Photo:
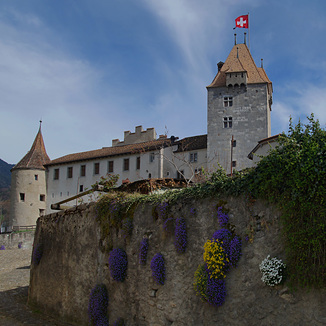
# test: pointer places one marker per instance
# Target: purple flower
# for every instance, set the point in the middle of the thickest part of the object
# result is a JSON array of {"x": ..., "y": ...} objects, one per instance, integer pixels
[
  {"x": 20, "y": 244},
  {"x": 127, "y": 227},
  {"x": 180, "y": 241},
  {"x": 224, "y": 236},
  {"x": 231, "y": 244},
  {"x": 168, "y": 224},
  {"x": 2, "y": 247},
  {"x": 215, "y": 291},
  {"x": 192, "y": 211},
  {"x": 222, "y": 217},
  {"x": 235, "y": 251},
  {"x": 37, "y": 253},
  {"x": 161, "y": 209},
  {"x": 158, "y": 268},
  {"x": 113, "y": 206},
  {"x": 118, "y": 263},
  {"x": 143, "y": 251},
  {"x": 98, "y": 306}
]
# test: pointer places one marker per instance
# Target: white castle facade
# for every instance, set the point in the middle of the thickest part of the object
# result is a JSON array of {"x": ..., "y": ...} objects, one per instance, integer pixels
[{"x": 238, "y": 111}]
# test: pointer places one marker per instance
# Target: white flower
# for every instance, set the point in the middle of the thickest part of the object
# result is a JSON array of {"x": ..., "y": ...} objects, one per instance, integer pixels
[{"x": 272, "y": 270}]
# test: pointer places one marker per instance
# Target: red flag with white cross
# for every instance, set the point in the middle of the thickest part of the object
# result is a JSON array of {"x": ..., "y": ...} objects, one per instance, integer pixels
[{"x": 242, "y": 22}]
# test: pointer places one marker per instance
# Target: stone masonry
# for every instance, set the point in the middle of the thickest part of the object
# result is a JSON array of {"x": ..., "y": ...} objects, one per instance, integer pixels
[{"x": 73, "y": 263}]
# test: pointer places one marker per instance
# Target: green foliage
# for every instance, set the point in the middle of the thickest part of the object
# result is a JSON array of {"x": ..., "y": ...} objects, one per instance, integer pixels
[
  {"x": 115, "y": 211},
  {"x": 292, "y": 176},
  {"x": 107, "y": 183}
]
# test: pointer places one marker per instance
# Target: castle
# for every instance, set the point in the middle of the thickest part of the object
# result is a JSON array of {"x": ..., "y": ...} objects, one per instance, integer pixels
[{"x": 238, "y": 117}]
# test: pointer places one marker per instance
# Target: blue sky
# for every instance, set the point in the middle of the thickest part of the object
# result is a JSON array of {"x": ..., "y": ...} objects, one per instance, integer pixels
[{"x": 92, "y": 69}]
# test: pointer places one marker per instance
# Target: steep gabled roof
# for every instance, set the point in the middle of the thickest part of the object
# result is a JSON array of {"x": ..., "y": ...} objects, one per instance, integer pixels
[
  {"x": 112, "y": 151},
  {"x": 37, "y": 157},
  {"x": 240, "y": 60}
]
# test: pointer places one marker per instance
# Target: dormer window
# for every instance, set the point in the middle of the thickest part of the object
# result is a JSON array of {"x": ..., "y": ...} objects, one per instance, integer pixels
[{"x": 228, "y": 101}]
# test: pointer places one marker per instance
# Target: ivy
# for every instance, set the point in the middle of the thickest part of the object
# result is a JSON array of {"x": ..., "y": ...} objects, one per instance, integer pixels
[{"x": 292, "y": 176}]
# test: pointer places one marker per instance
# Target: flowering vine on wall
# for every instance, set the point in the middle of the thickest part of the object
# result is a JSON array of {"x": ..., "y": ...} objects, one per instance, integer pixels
[
  {"x": 158, "y": 268},
  {"x": 118, "y": 263},
  {"x": 221, "y": 252},
  {"x": 143, "y": 251},
  {"x": 273, "y": 271},
  {"x": 98, "y": 306}
]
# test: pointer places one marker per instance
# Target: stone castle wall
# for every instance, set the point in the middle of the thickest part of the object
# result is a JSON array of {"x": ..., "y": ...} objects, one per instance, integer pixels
[
  {"x": 12, "y": 240},
  {"x": 72, "y": 264},
  {"x": 250, "y": 115},
  {"x": 31, "y": 183}
]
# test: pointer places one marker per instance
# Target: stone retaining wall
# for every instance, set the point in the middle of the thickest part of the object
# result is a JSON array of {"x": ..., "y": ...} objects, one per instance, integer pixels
[
  {"x": 72, "y": 264},
  {"x": 12, "y": 240}
]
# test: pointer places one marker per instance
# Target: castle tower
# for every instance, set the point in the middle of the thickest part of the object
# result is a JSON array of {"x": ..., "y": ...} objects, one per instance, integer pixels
[
  {"x": 238, "y": 107},
  {"x": 28, "y": 185}
]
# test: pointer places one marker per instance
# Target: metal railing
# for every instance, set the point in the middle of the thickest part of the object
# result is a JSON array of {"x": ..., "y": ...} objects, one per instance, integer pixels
[{"x": 17, "y": 228}]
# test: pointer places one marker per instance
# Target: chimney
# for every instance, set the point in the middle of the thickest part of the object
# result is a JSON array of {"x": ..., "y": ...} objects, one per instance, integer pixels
[
  {"x": 235, "y": 39},
  {"x": 262, "y": 63},
  {"x": 219, "y": 66},
  {"x": 245, "y": 38}
]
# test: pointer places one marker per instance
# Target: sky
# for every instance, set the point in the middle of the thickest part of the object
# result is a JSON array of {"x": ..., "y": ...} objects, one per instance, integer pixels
[{"x": 91, "y": 69}]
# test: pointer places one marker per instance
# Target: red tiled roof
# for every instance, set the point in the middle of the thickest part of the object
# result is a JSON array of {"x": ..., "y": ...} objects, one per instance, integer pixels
[
  {"x": 240, "y": 60},
  {"x": 37, "y": 157},
  {"x": 112, "y": 151}
]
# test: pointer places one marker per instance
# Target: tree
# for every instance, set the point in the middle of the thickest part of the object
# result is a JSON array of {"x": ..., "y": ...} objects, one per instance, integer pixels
[{"x": 294, "y": 176}]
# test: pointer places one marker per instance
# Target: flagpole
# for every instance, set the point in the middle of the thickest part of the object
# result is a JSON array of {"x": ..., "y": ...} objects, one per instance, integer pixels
[{"x": 249, "y": 31}]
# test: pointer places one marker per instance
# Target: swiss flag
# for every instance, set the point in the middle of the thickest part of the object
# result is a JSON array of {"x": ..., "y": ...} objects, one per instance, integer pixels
[{"x": 242, "y": 21}]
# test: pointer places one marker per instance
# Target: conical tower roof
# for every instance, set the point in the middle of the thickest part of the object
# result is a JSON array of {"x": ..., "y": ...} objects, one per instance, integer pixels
[
  {"x": 240, "y": 60},
  {"x": 36, "y": 157}
]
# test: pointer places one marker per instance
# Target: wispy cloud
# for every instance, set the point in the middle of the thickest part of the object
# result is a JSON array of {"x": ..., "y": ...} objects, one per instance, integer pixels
[
  {"x": 40, "y": 81},
  {"x": 300, "y": 102}
]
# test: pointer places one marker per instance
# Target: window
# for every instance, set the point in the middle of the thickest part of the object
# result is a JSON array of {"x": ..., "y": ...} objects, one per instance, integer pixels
[
  {"x": 42, "y": 197},
  {"x": 81, "y": 188},
  {"x": 22, "y": 196},
  {"x": 227, "y": 122},
  {"x": 228, "y": 101},
  {"x": 69, "y": 172},
  {"x": 96, "y": 168},
  {"x": 180, "y": 175},
  {"x": 151, "y": 157},
  {"x": 234, "y": 164},
  {"x": 234, "y": 144},
  {"x": 193, "y": 157},
  {"x": 36, "y": 177},
  {"x": 56, "y": 174},
  {"x": 110, "y": 166},
  {"x": 126, "y": 164},
  {"x": 41, "y": 212},
  {"x": 149, "y": 175},
  {"x": 83, "y": 170},
  {"x": 138, "y": 163}
]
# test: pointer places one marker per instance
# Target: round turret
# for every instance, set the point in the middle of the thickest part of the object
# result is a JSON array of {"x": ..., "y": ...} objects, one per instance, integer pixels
[{"x": 28, "y": 185}]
